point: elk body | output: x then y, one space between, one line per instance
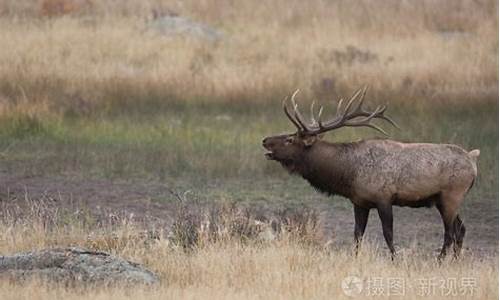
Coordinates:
377 173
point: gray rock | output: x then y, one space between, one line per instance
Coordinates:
175 25
74 265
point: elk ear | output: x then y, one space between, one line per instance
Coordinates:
310 140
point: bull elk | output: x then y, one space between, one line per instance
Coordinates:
377 173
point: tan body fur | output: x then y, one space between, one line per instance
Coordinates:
388 171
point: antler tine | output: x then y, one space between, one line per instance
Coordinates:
339 106
380 115
384 117
371 126
366 121
297 114
391 121
359 107
320 125
313 120
351 101
287 113
378 110
345 114
316 121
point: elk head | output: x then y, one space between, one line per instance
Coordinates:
288 149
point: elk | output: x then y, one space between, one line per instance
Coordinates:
377 173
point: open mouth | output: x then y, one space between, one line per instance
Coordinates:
269 155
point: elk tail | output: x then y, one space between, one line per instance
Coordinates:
474 155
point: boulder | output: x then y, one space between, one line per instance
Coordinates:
74 265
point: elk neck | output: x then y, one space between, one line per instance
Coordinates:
329 167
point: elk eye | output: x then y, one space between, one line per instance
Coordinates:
288 140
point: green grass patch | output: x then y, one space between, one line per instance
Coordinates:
210 144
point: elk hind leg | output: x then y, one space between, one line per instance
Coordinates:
459 229
448 207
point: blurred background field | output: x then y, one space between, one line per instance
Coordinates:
95 92
89 87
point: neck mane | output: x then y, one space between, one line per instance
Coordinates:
329 167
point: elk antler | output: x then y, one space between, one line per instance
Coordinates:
350 115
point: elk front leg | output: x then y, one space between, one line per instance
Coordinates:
385 214
360 219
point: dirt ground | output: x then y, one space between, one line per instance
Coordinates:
413 228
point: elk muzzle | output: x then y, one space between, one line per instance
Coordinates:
267 145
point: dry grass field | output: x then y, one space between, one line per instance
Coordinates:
101 117
405 50
237 260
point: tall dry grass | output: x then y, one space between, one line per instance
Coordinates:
278 271
105 57
230 266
